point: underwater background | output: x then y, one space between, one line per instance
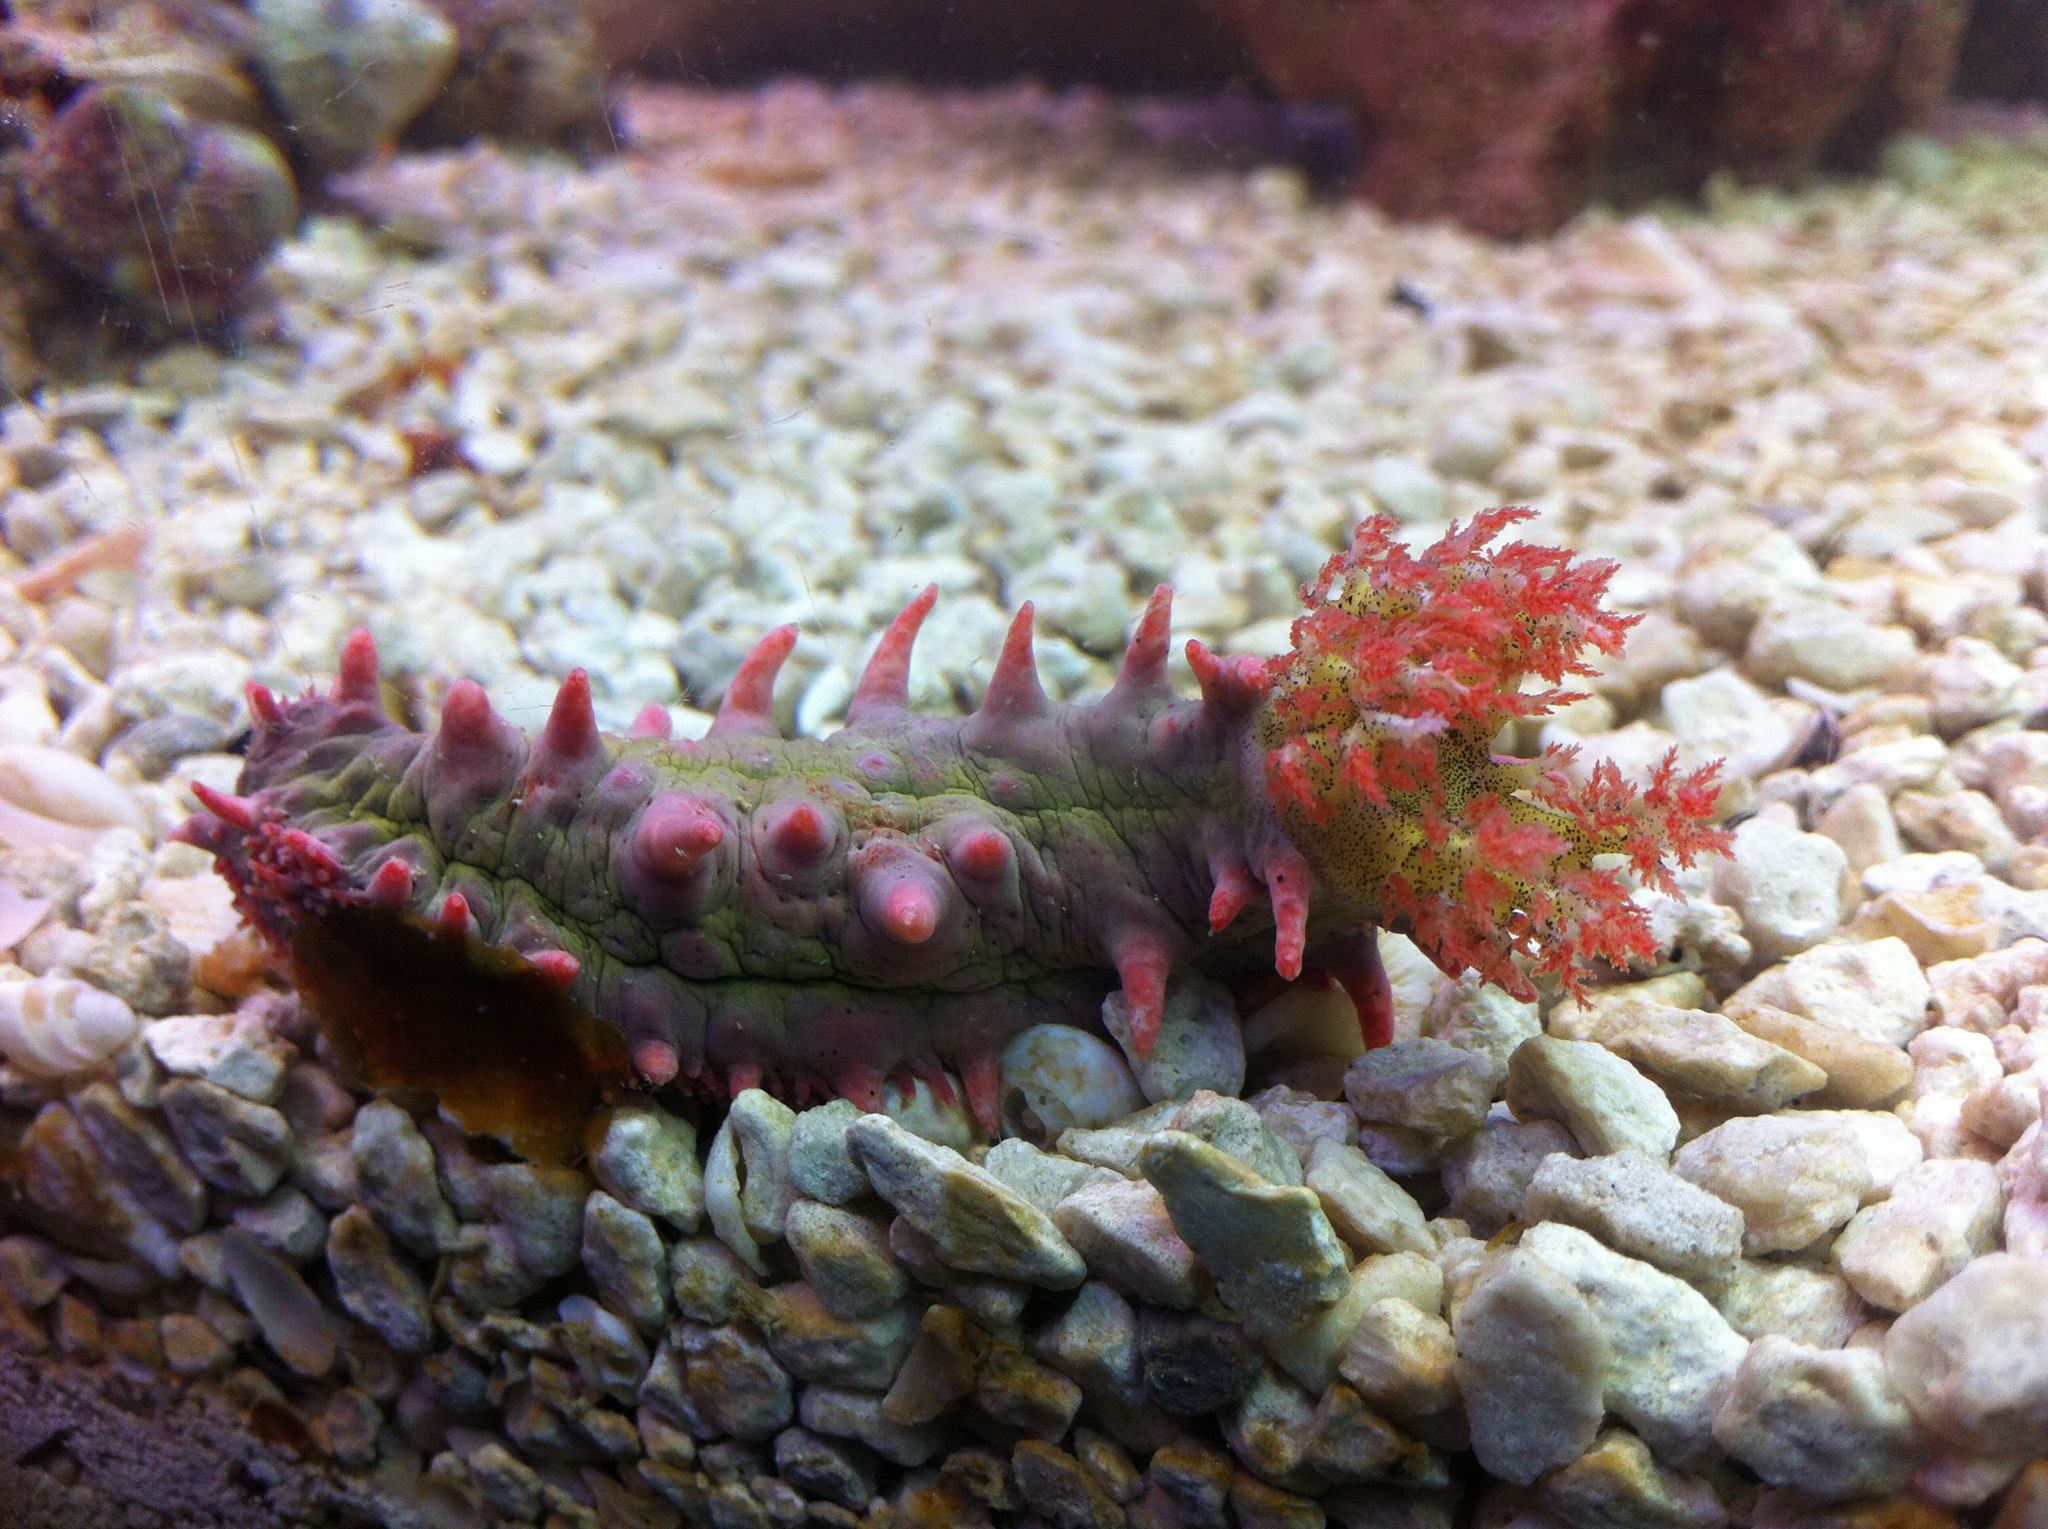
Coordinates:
542 340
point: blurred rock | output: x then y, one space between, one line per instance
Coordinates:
348 75
526 71
1538 106
167 213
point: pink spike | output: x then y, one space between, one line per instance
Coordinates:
982 855
1355 963
1144 665
798 834
1287 879
1231 685
466 717
749 704
558 966
263 705
455 916
357 678
674 836
655 1060
884 687
312 852
941 1086
391 884
910 910
570 736
863 1085
1014 693
740 1077
1143 958
981 1077
1234 892
653 722
235 811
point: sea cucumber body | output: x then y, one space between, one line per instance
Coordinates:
817 914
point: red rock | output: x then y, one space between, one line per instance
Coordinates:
1506 115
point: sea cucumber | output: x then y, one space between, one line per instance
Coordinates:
818 915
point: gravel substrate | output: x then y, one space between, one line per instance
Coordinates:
1742 1240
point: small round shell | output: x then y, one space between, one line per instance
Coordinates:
1055 1076
53 1026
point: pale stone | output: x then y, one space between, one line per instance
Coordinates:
1786 884
1671 1354
1809 1306
1862 1074
1270 1247
1825 644
1967 821
1861 821
1424 1085
1868 987
1794 1178
1826 1421
1721 715
1532 1366
626 1260
235 1051
1116 1146
1233 1126
1605 1103
847 1413
1619 1484
1584 1019
1487 1174
845 1257
762 1127
1948 1060
375 1285
1971 1360
1095 1341
1043 1178
1369 1210
1269 1427
1480 1016
1641 1208
287 1313
977 1223
1402 1359
1199 1045
648 1160
1950 922
821 1164
1712 1058
1310 1350
818 1346
1969 683
1303 1120
396 1171
1938 1217
1123 1233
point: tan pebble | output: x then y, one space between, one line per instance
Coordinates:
53 783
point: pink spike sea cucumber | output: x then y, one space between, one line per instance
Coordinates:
818 915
